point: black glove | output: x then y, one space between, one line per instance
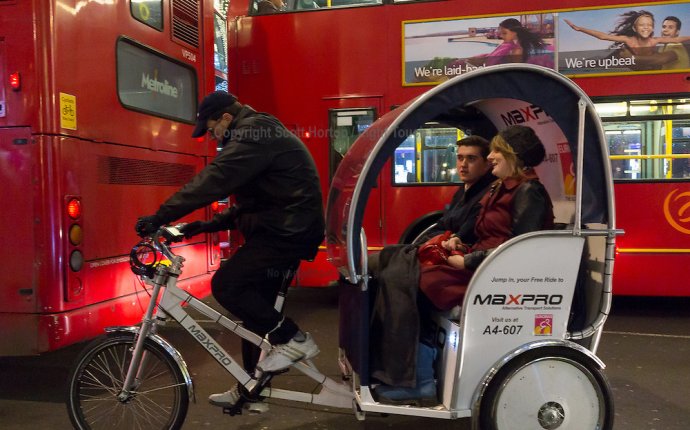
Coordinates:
147 225
194 228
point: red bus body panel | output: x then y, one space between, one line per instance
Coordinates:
653 255
70 48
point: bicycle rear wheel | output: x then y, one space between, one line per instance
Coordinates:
548 388
159 399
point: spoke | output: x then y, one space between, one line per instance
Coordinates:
152 411
102 416
98 384
155 394
165 387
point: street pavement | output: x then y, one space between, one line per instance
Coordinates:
646 347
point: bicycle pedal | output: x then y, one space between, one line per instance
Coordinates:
233 410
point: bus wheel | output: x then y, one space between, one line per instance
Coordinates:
548 388
160 400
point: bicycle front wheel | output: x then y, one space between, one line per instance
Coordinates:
159 399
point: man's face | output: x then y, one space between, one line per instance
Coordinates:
669 28
217 128
471 165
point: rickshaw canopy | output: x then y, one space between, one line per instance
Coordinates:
483 102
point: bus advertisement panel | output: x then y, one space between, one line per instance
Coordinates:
607 41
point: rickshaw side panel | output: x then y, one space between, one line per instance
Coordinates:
354 310
523 292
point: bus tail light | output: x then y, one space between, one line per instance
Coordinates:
74 208
76 260
74 287
75 234
15 81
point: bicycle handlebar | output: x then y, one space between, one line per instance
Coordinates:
143 259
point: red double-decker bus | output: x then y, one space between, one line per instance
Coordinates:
97 104
329 68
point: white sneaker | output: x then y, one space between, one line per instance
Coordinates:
286 354
229 399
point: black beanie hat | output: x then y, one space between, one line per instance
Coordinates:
525 144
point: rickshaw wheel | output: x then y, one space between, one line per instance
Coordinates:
548 388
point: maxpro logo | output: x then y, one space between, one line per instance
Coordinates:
677 211
518 299
543 324
523 115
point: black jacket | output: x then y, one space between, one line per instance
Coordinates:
274 181
462 212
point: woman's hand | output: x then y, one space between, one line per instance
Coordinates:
457 261
452 244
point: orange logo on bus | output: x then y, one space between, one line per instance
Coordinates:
677 211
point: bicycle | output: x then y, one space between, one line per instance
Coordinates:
132 378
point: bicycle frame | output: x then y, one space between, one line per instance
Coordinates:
172 303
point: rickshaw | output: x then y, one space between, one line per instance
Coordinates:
518 354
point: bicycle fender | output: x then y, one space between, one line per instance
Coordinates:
167 347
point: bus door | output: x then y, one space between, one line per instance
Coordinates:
649 146
345 124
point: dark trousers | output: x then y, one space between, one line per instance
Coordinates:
247 285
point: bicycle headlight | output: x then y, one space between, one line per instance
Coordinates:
143 259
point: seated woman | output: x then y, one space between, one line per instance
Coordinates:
517 203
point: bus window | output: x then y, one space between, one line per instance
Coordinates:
648 139
150 12
220 56
220 45
152 83
345 125
427 156
405 162
265 7
337 3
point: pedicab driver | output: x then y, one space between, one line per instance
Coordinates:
278 210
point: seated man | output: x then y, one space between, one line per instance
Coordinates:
398 265
475 173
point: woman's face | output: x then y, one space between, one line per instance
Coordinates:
501 168
507 35
644 26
